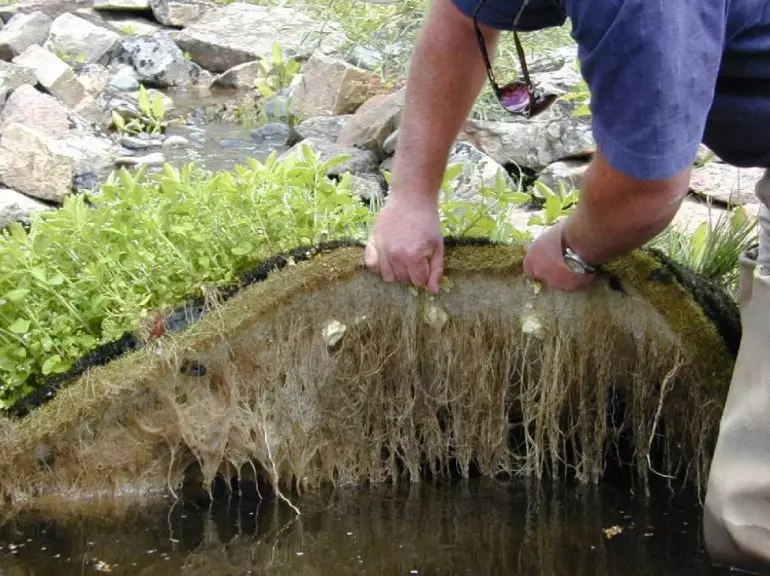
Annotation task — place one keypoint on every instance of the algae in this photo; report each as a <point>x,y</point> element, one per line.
<point>254,383</point>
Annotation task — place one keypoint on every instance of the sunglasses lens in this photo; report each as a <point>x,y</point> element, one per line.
<point>542,103</point>
<point>515,97</point>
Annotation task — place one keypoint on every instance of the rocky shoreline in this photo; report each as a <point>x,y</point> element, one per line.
<point>87,87</point>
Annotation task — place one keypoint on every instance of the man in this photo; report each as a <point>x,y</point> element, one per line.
<point>664,76</point>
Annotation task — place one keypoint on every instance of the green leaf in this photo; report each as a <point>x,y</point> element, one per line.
<point>118,121</point>
<point>582,110</point>
<point>19,326</point>
<point>277,53</point>
<point>16,295</point>
<point>158,107</point>
<point>453,171</point>
<point>38,274</point>
<point>552,208</point>
<point>143,99</point>
<point>242,249</point>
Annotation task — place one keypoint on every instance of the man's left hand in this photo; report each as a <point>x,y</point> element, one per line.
<point>545,262</point>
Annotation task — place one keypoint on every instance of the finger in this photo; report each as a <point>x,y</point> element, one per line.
<point>419,272</point>
<point>400,269</point>
<point>436,269</point>
<point>371,258</point>
<point>386,270</point>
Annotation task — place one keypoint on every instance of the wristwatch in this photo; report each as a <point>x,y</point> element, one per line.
<point>573,260</point>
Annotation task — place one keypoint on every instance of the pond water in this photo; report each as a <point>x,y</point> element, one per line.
<point>475,527</point>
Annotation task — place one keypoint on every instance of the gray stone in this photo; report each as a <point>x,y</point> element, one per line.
<point>126,5</point>
<point>725,184</point>
<point>80,40</point>
<point>276,134</point>
<point>365,58</point>
<point>241,76</point>
<point>131,26</point>
<point>16,207</point>
<point>158,61</point>
<point>89,153</point>
<point>36,110</point>
<point>390,144</point>
<point>330,87</point>
<point>23,31</point>
<point>12,77</point>
<point>479,170</point>
<point>239,32</point>
<point>175,141</point>
<point>136,143</point>
<point>567,172</point>
<point>93,77</point>
<point>124,79</point>
<point>366,186</point>
<point>179,13</point>
<point>153,159</point>
<point>35,164</point>
<point>531,144</point>
<point>358,162</point>
<point>325,127</point>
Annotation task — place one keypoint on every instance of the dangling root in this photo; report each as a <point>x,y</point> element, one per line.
<point>324,374</point>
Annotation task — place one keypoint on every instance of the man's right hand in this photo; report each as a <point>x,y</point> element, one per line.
<point>406,244</point>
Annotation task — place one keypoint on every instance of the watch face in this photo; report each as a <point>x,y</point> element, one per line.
<point>573,265</point>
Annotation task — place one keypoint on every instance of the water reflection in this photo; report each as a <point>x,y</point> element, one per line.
<point>474,528</point>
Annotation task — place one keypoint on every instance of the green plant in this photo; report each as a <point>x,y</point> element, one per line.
<point>712,250</point>
<point>70,57</point>
<point>277,73</point>
<point>151,119</point>
<point>556,204</point>
<point>128,29</point>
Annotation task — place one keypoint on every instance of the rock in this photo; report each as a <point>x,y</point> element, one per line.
<point>93,77</point>
<point>390,144</point>
<point>132,26</point>
<point>35,164</point>
<point>358,162</point>
<point>86,182</point>
<point>90,154</point>
<point>387,164</point>
<point>365,58</point>
<point>241,76</point>
<point>16,207</point>
<point>331,87</point>
<point>158,61</point>
<point>175,141</point>
<point>179,13</point>
<point>137,143</point>
<point>366,186</point>
<point>568,172</point>
<point>372,124</point>
<point>531,144</point>
<point>479,170</point>
<point>13,77</point>
<point>239,32</point>
<point>59,79</point>
<point>154,159</point>
<point>125,5</point>
<point>124,79</point>
<point>81,40</point>
<point>725,184</point>
<point>557,69</point>
<point>325,127</point>
<point>23,31</point>
<point>276,134</point>
<point>32,108</point>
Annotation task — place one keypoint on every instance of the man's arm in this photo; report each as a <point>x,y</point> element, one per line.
<point>445,77</point>
<point>618,213</point>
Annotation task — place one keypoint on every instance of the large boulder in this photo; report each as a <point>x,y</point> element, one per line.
<point>358,162</point>
<point>122,5</point>
<point>725,184</point>
<point>80,40</point>
<point>239,32</point>
<point>157,59</point>
<point>179,13</point>
<point>323,127</point>
<point>374,122</point>
<point>23,31</point>
<point>36,110</point>
<point>531,144</point>
<point>330,87</point>
<point>34,163</point>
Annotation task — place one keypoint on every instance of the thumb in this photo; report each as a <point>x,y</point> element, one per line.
<point>371,258</point>
<point>436,268</point>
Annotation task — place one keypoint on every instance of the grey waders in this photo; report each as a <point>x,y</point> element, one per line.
<point>737,509</point>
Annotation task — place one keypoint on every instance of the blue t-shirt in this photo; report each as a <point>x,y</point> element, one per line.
<point>664,75</point>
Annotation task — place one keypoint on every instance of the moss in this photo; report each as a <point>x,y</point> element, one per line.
<point>516,381</point>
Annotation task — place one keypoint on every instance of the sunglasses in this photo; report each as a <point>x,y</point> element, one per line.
<point>518,98</point>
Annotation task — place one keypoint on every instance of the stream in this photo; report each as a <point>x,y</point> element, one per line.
<point>473,527</point>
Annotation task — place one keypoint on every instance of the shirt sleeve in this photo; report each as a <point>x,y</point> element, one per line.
<point>651,67</point>
<point>500,14</point>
